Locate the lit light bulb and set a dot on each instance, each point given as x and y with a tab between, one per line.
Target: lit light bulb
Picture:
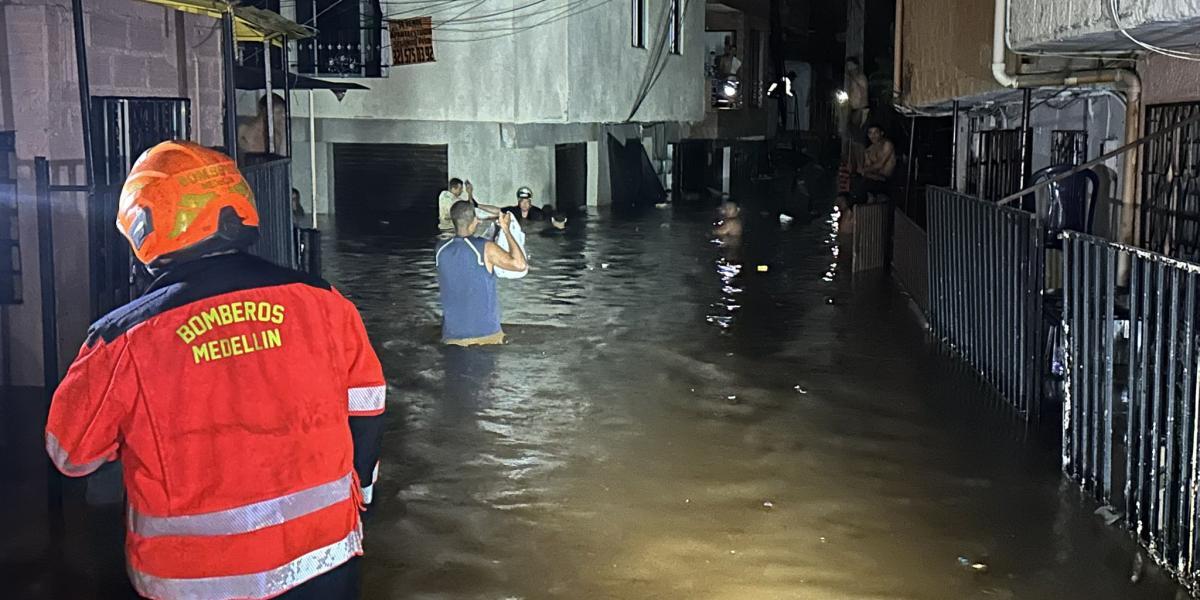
841	96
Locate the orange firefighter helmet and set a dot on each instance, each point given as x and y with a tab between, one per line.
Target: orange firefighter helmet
182	201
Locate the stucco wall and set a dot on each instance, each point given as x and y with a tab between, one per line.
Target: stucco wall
1048	23
498	158
577	69
605	71
1166	80
134	50
946	50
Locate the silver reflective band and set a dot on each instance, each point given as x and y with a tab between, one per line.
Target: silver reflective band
368	491
367	399
264	584
244	519
59	456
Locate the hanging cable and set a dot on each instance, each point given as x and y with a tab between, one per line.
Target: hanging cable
1112	7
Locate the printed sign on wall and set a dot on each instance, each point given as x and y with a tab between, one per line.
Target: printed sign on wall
412	40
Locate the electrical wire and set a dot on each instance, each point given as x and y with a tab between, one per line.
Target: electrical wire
1179	54
522	29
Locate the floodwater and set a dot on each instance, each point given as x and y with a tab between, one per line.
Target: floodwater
672	420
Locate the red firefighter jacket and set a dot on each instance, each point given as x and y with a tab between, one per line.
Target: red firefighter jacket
244	402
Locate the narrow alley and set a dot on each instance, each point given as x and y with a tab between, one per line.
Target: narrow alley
667	423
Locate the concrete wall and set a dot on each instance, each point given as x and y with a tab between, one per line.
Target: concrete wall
497	157
605	72
577	69
1080	24
1166	80
135	49
946	50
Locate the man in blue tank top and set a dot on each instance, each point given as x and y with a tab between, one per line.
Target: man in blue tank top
466	277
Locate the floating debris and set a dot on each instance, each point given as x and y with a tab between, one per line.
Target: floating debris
767	504
763	268
786	218
800	389
603	265
829	300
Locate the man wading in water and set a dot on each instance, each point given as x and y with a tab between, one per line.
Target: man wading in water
466	276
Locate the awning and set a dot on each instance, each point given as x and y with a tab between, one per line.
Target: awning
253	78
249	24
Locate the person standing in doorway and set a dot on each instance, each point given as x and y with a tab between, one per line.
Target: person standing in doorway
243	399
467	280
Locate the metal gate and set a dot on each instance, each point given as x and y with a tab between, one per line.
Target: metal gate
122	128
871	225
1171	183
271	183
986	272
1131	420
910	258
994	167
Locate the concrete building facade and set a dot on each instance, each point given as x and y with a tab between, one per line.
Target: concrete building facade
946	49
502	95
135	49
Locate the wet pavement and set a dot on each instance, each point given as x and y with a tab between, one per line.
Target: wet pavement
671	422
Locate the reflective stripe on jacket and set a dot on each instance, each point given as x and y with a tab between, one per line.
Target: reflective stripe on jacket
244	402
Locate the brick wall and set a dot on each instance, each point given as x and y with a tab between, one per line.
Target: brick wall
134	49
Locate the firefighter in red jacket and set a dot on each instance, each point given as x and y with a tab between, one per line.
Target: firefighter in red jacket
243	400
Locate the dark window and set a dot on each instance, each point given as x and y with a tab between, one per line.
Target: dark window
10	243
676	29
637	15
349	39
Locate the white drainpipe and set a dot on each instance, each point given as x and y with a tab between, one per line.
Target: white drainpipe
1121	78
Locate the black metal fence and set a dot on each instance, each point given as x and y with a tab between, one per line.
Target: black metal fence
1131	422
10	235
1171	183
986	272
910	258
122	128
871	234
272	186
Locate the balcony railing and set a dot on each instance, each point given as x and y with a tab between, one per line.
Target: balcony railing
355	52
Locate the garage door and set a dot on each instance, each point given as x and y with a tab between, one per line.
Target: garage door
393	184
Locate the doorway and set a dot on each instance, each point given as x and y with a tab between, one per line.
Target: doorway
388	186
570	177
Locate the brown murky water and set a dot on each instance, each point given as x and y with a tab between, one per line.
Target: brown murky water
671	423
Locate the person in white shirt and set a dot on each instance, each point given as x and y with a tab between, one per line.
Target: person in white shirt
453	194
